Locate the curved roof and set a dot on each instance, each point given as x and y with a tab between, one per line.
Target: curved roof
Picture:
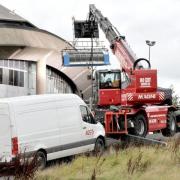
26	41
17	31
13	36
7	15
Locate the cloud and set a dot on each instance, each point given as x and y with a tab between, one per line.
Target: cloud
138	20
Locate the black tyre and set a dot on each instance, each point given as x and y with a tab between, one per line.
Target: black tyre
41	160
140	126
171	128
99	147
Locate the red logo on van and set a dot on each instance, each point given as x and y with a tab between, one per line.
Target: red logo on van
89	132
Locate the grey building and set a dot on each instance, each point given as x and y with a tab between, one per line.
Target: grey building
31	62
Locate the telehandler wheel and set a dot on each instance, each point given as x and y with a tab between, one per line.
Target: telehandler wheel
140	126
41	160
171	128
99	146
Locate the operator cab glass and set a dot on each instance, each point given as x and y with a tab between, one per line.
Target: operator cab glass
125	80
109	80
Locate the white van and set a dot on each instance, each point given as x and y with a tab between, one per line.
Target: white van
54	126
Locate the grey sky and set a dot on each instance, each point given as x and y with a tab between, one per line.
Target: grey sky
138	20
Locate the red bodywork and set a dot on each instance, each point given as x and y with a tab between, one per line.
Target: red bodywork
141	91
142	88
156	119
109	122
139	95
109	97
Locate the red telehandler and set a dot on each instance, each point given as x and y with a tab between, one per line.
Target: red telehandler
139	105
127	100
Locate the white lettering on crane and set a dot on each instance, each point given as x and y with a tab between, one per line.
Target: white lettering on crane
152	121
147	96
145	82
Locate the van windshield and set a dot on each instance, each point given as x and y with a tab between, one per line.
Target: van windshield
87	115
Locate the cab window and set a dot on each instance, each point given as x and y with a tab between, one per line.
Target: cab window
125	80
109	80
87	115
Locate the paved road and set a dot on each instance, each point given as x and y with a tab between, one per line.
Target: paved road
158	137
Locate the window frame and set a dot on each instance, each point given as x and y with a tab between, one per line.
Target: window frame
1	75
89	117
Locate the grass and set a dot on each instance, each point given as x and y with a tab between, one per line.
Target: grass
132	163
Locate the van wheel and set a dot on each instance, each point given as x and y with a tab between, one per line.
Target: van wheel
171	128
41	160
99	147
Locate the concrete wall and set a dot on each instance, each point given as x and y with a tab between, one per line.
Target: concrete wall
37	45
10	91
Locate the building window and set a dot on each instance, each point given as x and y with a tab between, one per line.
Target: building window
11	64
1	62
13	72
11	77
22	65
21	80
5	63
16	73
1	75
31	75
55	83
16	78
16	64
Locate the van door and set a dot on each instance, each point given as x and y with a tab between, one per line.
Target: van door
89	127
5	133
70	129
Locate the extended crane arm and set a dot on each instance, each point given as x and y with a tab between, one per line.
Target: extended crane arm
108	29
118	43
